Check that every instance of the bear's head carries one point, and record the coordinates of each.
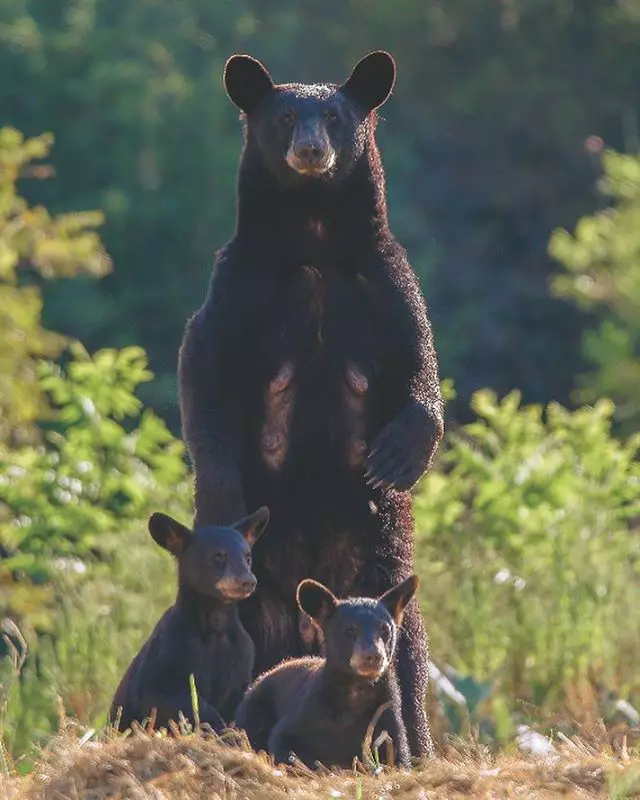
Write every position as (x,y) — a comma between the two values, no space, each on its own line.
(309,132)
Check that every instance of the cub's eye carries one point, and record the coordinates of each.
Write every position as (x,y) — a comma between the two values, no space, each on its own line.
(351,631)
(247,558)
(219,559)
(288,119)
(330,116)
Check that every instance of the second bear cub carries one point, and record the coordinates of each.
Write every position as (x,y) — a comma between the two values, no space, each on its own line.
(321,708)
(201,634)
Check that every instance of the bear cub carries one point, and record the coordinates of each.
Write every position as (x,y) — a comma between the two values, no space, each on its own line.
(321,708)
(201,634)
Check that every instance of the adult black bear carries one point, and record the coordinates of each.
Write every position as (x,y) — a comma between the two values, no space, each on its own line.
(309,379)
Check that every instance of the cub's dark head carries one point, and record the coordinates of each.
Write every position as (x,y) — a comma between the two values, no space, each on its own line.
(214,561)
(360,633)
(307,132)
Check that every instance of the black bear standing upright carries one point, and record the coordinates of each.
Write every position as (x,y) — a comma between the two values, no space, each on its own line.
(308,379)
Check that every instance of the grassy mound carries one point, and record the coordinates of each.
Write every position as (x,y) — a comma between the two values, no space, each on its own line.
(189,767)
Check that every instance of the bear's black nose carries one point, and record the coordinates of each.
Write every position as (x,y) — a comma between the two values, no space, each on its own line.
(309,153)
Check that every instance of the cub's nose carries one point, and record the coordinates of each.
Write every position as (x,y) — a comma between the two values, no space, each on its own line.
(372,659)
(369,662)
(235,588)
(247,587)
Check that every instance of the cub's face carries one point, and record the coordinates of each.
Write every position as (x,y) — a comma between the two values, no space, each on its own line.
(361,638)
(214,561)
(309,132)
(359,633)
(217,563)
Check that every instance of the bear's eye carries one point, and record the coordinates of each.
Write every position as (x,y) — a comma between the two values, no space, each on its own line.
(385,630)
(219,559)
(330,116)
(351,631)
(288,119)
(247,558)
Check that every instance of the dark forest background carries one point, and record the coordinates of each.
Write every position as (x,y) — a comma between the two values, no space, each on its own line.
(485,142)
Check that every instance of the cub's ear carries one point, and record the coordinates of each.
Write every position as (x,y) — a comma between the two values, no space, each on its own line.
(316,601)
(396,599)
(169,533)
(246,81)
(372,80)
(253,526)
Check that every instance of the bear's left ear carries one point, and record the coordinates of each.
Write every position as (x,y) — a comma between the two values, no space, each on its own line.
(246,81)
(317,602)
(395,600)
(169,533)
(372,80)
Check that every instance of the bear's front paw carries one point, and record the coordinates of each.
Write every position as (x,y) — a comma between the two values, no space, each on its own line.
(403,450)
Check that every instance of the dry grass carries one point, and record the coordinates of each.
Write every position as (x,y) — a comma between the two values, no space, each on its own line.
(189,767)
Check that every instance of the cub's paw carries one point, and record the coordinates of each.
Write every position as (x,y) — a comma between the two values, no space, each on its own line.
(404,449)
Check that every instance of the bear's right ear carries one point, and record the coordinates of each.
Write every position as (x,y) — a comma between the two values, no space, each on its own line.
(316,601)
(169,533)
(396,599)
(372,80)
(246,81)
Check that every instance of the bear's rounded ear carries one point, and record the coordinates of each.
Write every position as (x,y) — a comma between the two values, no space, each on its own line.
(169,533)
(396,599)
(316,601)
(372,80)
(246,81)
(252,527)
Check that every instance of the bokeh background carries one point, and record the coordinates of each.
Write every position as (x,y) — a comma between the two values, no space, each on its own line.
(511,150)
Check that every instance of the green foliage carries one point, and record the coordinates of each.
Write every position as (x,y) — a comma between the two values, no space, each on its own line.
(81,466)
(100,621)
(78,573)
(602,275)
(33,243)
(63,500)
(529,560)
(526,550)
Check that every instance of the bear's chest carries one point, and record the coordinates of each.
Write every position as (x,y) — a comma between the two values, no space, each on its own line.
(325,316)
(221,663)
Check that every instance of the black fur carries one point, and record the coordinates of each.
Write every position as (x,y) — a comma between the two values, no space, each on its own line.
(320,709)
(315,295)
(201,634)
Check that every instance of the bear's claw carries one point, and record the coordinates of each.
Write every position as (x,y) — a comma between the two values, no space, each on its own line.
(404,449)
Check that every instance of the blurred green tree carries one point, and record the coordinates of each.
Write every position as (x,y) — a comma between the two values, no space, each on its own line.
(81,465)
(33,244)
(602,274)
(78,456)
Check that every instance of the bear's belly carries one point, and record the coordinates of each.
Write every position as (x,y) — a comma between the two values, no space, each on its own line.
(315,418)
(316,404)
